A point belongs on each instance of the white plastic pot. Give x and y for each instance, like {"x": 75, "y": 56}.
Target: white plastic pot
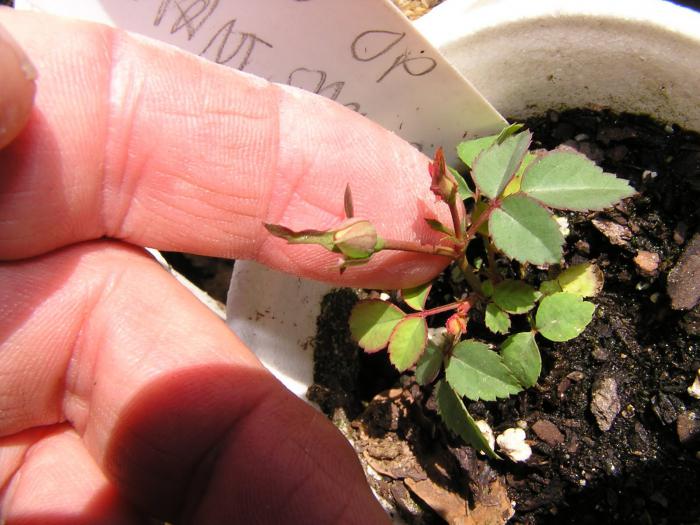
{"x": 640, "y": 56}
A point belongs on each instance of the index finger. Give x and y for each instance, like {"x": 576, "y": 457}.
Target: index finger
{"x": 141, "y": 142}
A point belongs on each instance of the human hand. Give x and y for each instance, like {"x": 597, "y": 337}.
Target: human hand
{"x": 122, "y": 396}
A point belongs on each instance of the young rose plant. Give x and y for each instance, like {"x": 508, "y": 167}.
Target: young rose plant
{"x": 509, "y": 208}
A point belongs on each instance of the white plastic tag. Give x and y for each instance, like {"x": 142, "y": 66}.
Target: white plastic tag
{"x": 362, "y": 53}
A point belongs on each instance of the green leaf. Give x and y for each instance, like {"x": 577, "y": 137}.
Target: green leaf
{"x": 323, "y": 238}
{"x": 515, "y": 297}
{"x": 469, "y": 150}
{"x": 521, "y": 355}
{"x": 496, "y": 166}
{"x": 570, "y": 181}
{"x": 372, "y": 322}
{"x": 525, "y": 231}
{"x": 584, "y": 280}
{"x": 563, "y": 316}
{"x": 477, "y": 372}
{"x": 439, "y": 227}
{"x": 508, "y": 131}
{"x": 514, "y": 184}
{"x": 550, "y": 287}
{"x": 496, "y": 319}
{"x": 429, "y": 364}
{"x": 462, "y": 187}
{"x": 487, "y": 288}
{"x": 407, "y": 342}
{"x": 458, "y": 420}
{"x": 415, "y": 297}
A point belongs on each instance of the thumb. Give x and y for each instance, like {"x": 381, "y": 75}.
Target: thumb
{"x": 16, "y": 89}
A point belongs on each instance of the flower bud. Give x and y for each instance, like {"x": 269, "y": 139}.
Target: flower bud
{"x": 356, "y": 239}
{"x": 456, "y": 325}
{"x": 443, "y": 184}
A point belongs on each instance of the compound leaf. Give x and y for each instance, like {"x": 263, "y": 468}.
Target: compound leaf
{"x": 372, "y": 322}
{"x": 563, "y": 316}
{"x": 458, "y": 420}
{"x": 415, "y": 297}
{"x": 477, "y": 372}
{"x": 496, "y": 319}
{"x": 585, "y": 280}
{"x": 525, "y": 231}
{"x": 522, "y": 356}
{"x": 429, "y": 364}
{"x": 515, "y": 297}
{"x": 496, "y": 166}
{"x": 407, "y": 342}
{"x": 570, "y": 181}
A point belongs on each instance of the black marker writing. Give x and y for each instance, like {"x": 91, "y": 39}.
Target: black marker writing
{"x": 370, "y": 45}
{"x": 297, "y": 79}
{"x": 361, "y": 47}
{"x": 192, "y": 14}
{"x": 420, "y": 65}
{"x": 314, "y": 80}
{"x": 241, "y": 46}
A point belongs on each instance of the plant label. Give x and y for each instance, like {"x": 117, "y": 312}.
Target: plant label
{"x": 363, "y": 54}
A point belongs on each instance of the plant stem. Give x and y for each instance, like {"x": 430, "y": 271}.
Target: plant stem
{"x": 471, "y": 232}
{"x": 454, "y": 212}
{"x": 440, "y": 309}
{"x": 409, "y": 246}
{"x": 491, "y": 259}
{"x": 469, "y": 274}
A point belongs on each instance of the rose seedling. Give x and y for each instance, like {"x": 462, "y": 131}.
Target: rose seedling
{"x": 509, "y": 206}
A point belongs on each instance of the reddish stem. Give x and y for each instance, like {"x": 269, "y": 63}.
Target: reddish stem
{"x": 441, "y": 309}
{"x": 409, "y": 246}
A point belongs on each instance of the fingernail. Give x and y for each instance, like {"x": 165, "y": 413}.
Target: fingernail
{"x": 28, "y": 68}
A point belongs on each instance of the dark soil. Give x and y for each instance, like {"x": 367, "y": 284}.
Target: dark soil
{"x": 643, "y": 469}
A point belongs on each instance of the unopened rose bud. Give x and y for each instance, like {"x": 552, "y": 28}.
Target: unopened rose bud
{"x": 456, "y": 325}
{"x": 356, "y": 239}
{"x": 443, "y": 183}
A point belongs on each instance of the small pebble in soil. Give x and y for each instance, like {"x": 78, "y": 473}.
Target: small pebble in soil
{"x": 666, "y": 407}
{"x": 680, "y": 233}
{"x": 512, "y": 444}
{"x": 617, "y": 234}
{"x": 691, "y": 322}
{"x": 548, "y": 432}
{"x": 563, "y": 224}
{"x": 684, "y": 278}
{"x": 600, "y": 354}
{"x": 605, "y": 402}
{"x": 647, "y": 262}
{"x": 487, "y": 432}
{"x": 688, "y": 428}
{"x": 694, "y": 389}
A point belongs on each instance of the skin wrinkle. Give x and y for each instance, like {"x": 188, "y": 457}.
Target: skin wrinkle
{"x": 122, "y": 81}
{"x": 242, "y": 202}
{"x": 304, "y": 441}
{"x": 8, "y": 489}
{"x": 76, "y": 366}
{"x": 204, "y": 468}
{"x": 13, "y": 479}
